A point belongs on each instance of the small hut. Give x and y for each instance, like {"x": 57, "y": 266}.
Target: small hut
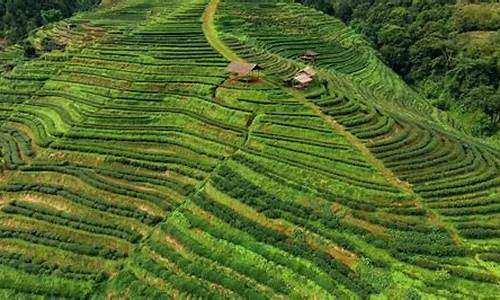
{"x": 72, "y": 26}
{"x": 243, "y": 71}
{"x": 309, "y": 71}
{"x": 309, "y": 56}
{"x": 304, "y": 77}
{"x": 302, "y": 81}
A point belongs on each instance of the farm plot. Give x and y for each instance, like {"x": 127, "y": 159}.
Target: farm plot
{"x": 132, "y": 167}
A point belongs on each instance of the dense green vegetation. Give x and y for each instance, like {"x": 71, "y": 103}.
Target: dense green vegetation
{"x": 18, "y": 17}
{"x": 133, "y": 167}
{"x": 448, "y": 51}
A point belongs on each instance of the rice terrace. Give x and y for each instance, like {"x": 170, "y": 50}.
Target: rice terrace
{"x": 233, "y": 149}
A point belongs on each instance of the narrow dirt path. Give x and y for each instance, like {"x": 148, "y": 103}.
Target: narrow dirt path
{"x": 213, "y": 36}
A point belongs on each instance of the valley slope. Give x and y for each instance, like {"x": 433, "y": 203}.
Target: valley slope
{"x": 133, "y": 168}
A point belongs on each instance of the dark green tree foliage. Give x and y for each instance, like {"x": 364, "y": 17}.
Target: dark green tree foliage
{"x": 29, "y": 49}
{"x": 426, "y": 42}
{"x": 51, "y": 15}
{"x": 18, "y": 17}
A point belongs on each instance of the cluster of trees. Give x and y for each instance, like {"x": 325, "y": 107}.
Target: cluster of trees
{"x": 18, "y": 17}
{"x": 448, "y": 51}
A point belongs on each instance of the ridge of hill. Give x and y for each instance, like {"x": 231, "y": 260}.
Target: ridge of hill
{"x": 132, "y": 167}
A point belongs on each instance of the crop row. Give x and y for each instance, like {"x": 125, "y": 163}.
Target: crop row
{"x": 290, "y": 182}
{"x": 37, "y": 266}
{"x": 65, "y": 219}
{"x": 78, "y": 197}
{"x": 335, "y": 269}
{"x": 92, "y": 179}
{"x": 58, "y": 241}
{"x": 189, "y": 285}
{"x": 329, "y": 172}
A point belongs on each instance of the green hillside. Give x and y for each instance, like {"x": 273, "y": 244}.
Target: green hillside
{"x": 447, "y": 50}
{"x": 133, "y": 167}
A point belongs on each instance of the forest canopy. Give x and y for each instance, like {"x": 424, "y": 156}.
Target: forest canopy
{"x": 18, "y": 17}
{"x": 448, "y": 50}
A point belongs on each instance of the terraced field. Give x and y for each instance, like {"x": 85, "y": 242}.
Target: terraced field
{"x": 133, "y": 168}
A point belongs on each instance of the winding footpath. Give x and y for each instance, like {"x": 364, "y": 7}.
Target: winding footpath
{"x": 213, "y": 36}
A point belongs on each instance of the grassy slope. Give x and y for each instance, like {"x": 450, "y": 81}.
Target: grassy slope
{"x": 215, "y": 188}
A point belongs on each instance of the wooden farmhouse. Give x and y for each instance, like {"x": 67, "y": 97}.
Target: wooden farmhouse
{"x": 243, "y": 71}
{"x": 304, "y": 78}
{"x": 302, "y": 81}
{"x": 309, "y": 56}
{"x": 308, "y": 71}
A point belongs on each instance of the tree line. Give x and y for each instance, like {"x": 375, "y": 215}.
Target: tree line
{"x": 447, "y": 51}
{"x": 18, "y": 17}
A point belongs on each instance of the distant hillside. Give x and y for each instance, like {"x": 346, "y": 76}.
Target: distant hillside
{"x": 448, "y": 50}
{"x": 17, "y": 18}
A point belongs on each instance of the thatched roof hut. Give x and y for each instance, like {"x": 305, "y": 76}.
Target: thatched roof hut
{"x": 309, "y": 56}
{"x": 243, "y": 71}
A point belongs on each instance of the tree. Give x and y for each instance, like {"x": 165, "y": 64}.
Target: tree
{"x": 18, "y": 17}
{"x": 51, "y": 15}
{"x": 413, "y": 294}
{"x": 29, "y": 50}
{"x": 442, "y": 275}
{"x": 393, "y": 42}
{"x": 486, "y": 100}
